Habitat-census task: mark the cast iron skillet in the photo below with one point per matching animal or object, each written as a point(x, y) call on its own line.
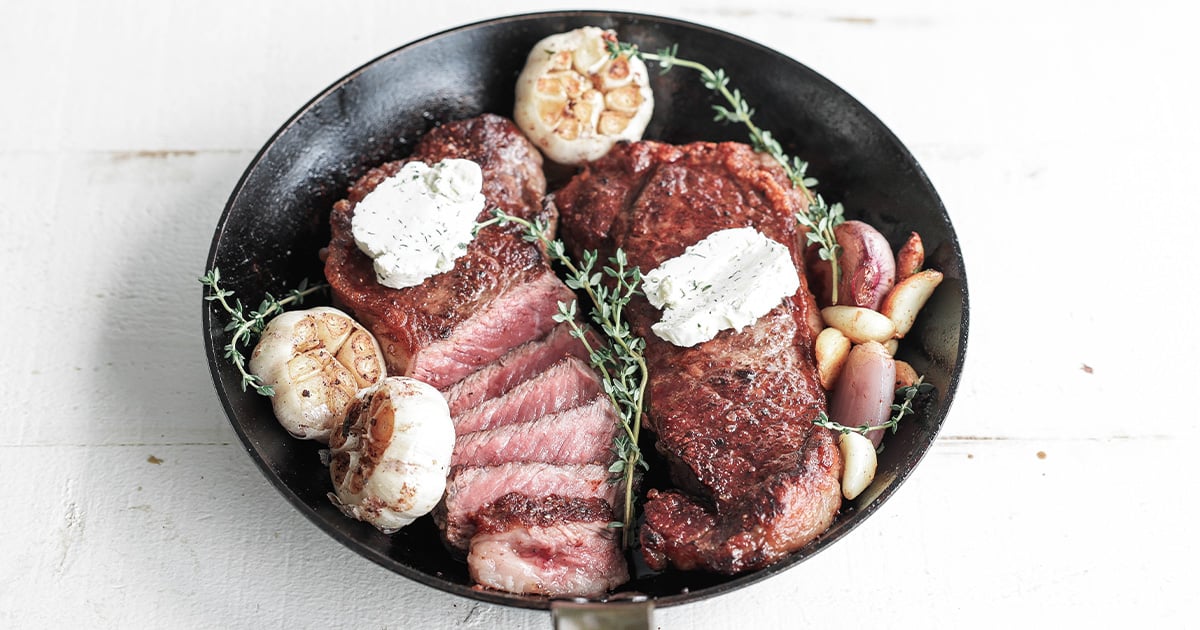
point(276, 220)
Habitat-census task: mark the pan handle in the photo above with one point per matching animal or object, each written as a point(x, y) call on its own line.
point(584, 615)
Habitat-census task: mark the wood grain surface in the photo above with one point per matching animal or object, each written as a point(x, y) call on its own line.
point(1062, 137)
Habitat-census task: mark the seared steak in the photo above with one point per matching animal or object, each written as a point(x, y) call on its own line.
point(733, 416)
point(499, 295)
point(554, 546)
point(484, 334)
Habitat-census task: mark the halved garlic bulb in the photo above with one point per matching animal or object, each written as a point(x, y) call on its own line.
point(316, 360)
point(575, 101)
point(390, 460)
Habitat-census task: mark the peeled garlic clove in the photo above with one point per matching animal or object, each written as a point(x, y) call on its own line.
point(859, 462)
point(574, 101)
point(590, 53)
point(316, 360)
point(906, 376)
point(858, 323)
point(617, 73)
point(906, 299)
point(390, 460)
point(831, 348)
point(910, 258)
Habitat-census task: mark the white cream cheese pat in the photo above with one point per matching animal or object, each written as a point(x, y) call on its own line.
point(726, 281)
point(415, 224)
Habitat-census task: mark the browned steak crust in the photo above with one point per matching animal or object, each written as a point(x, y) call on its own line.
point(499, 295)
point(734, 415)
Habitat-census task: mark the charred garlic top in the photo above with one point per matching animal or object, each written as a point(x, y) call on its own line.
point(575, 101)
point(316, 361)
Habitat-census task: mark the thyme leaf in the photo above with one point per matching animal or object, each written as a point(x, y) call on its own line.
point(621, 363)
point(820, 218)
point(247, 326)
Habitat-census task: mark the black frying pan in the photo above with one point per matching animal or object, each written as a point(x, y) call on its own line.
point(277, 219)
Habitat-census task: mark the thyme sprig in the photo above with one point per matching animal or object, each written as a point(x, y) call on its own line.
point(820, 217)
point(900, 410)
point(622, 362)
point(245, 326)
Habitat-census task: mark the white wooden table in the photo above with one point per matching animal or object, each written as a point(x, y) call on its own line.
point(1062, 137)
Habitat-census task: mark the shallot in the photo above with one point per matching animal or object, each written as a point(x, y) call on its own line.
point(865, 390)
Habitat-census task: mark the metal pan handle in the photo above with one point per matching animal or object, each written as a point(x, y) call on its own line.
point(569, 615)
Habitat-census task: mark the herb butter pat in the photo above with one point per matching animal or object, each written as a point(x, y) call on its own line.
point(728, 280)
point(415, 224)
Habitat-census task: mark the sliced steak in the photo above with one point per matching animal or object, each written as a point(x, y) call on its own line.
point(756, 479)
point(472, 488)
point(484, 334)
point(567, 383)
point(579, 435)
point(520, 364)
point(499, 295)
point(554, 546)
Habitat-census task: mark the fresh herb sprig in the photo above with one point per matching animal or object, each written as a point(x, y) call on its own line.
point(901, 409)
point(245, 326)
point(820, 218)
point(622, 362)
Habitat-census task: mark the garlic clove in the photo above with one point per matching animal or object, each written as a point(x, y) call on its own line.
point(859, 462)
point(859, 324)
point(831, 348)
point(906, 376)
point(911, 257)
point(908, 297)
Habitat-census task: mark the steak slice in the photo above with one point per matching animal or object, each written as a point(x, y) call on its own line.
point(499, 295)
point(553, 546)
point(579, 435)
point(567, 383)
point(471, 488)
point(755, 478)
point(519, 364)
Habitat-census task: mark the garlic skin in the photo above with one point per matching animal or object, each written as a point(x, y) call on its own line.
point(389, 462)
point(574, 101)
point(316, 360)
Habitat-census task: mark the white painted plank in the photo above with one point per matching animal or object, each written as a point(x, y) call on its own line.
point(201, 540)
point(1060, 136)
point(112, 349)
